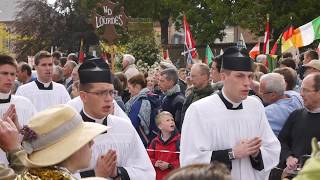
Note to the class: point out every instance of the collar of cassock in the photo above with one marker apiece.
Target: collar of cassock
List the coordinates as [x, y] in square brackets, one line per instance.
[87, 118]
[5, 97]
[44, 86]
[228, 103]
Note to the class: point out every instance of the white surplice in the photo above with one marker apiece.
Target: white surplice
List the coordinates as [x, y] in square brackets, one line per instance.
[124, 139]
[209, 126]
[42, 99]
[24, 109]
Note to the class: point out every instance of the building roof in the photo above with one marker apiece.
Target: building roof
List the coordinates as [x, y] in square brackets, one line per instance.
[8, 10]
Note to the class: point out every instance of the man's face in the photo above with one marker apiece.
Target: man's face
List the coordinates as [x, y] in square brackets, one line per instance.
[311, 97]
[215, 74]
[45, 70]
[7, 77]
[165, 84]
[98, 99]
[21, 75]
[125, 63]
[266, 96]
[198, 79]
[183, 75]
[237, 84]
[75, 75]
[67, 70]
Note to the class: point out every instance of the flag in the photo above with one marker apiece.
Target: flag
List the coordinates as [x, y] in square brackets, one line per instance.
[255, 51]
[286, 39]
[271, 62]
[266, 37]
[306, 34]
[188, 40]
[81, 53]
[189, 58]
[209, 55]
[242, 41]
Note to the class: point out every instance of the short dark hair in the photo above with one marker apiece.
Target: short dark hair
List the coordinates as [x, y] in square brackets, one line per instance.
[218, 61]
[118, 85]
[25, 67]
[290, 76]
[289, 62]
[171, 75]
[312, 54]
[5, 59]
[287, 55]
[138, 79]
[63, 61]
[40, 55]
[57, 54]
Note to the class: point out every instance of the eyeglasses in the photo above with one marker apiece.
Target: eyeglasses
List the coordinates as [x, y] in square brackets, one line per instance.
[104, 93]
[265, 93]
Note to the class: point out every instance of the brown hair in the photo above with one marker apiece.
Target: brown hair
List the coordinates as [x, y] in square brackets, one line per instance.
[289, 62]
[290, 76]
[138, 79]
[213, 171]
[40, 55]
[123, 79]
[5, 59]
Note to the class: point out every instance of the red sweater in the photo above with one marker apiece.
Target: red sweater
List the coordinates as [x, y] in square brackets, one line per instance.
[172, 145]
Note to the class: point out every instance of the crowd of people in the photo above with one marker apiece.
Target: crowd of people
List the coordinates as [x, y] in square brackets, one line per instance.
[231, 119]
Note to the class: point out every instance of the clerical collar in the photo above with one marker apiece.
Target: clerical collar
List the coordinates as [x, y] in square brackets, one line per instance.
[44, 86]
[87, 118]
[228, 103]
[5, 97]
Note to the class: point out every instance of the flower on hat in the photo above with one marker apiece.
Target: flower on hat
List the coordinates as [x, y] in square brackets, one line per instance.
[28, 134]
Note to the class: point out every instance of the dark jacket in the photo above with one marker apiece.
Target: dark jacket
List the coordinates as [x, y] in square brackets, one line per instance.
[195, 95]
[172, 156]
[173, 104]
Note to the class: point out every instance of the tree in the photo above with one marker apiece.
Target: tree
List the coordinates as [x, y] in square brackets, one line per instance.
[38, 24]
[4, 37]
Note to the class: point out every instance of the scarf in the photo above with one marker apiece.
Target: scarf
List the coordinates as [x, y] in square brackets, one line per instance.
[173, 90]
[145, 109]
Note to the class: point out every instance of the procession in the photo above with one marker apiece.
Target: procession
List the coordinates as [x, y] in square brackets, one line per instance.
[158, 90]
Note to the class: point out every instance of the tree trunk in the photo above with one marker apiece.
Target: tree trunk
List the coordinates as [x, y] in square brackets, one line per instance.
[164, 24]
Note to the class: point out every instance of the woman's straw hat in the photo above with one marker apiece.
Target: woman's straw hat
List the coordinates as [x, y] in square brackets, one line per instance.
[55, 134]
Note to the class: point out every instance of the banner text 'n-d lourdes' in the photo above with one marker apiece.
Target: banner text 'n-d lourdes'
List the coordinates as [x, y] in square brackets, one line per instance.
[108, 20]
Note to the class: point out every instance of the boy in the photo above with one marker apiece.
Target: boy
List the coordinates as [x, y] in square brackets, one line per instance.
[164, 149]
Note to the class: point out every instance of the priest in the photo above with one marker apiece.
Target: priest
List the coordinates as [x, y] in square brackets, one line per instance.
[18, 108]
[230, 127]
[97, 93]
[43, 92]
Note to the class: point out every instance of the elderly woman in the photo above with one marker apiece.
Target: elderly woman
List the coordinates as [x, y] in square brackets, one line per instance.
[58, 144]
[138, 107]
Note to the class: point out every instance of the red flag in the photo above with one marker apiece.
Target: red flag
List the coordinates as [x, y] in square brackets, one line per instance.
[81, 53]
[266, 37]
[188, 40]
[255, 51]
